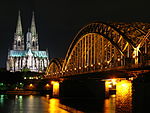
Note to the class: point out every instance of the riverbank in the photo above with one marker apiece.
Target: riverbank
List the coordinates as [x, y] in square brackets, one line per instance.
[25, 92]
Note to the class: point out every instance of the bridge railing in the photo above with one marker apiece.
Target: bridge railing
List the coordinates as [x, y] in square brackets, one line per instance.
[94, 70]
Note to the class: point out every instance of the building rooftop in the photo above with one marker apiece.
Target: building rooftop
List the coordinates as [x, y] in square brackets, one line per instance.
[21, 53]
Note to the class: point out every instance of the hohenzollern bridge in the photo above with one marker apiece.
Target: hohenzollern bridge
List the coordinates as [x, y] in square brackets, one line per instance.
[100, 47]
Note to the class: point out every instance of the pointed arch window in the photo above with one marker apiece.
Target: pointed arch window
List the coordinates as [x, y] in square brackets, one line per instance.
[33, 43]
[19, 43]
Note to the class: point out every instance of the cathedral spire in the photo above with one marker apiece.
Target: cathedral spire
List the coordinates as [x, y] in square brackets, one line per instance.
[33, 27]
[18, 37]
[19, 26]
[34, 35]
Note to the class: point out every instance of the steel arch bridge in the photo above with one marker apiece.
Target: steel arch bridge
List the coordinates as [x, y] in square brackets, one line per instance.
[100, 46]
[55, 66]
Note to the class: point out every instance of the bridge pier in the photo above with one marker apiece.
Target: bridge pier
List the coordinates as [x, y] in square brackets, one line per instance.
[141, 93]
[82, 89]
[55, 88]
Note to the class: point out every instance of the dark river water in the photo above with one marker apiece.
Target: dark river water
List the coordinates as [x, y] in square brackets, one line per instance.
[45, 104]
[125, 100]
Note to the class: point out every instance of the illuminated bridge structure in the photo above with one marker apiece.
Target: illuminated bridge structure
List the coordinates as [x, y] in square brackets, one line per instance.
[102, 46]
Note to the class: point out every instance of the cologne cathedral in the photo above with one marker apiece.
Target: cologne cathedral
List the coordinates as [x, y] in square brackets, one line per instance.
[26, 56]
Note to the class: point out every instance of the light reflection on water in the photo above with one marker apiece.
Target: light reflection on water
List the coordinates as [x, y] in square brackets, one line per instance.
[54, 106]
[124, 97]
[45, 104]
[110, 104]
[119, 103]
[33, 104]
[1, 99]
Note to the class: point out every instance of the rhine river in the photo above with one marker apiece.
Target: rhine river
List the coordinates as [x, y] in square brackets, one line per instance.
[46, 104]
[125, 100]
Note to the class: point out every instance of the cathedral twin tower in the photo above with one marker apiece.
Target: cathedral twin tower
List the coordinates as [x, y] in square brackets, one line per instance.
[26, 56]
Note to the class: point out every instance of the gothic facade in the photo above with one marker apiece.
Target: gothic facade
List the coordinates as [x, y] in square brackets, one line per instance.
[26, 55]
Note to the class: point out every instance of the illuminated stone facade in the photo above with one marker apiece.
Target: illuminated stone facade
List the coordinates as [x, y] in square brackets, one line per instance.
[26, 57]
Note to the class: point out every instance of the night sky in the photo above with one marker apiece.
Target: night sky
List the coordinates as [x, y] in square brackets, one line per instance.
[58, 21]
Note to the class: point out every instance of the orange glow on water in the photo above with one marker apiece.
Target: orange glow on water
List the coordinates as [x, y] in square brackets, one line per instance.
[124, 96]
[53, 103]
[109, 104]
[123, 87]
[55, 107]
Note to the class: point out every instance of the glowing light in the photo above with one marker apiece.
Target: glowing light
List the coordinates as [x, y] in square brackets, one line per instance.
[131, 78]
[107, 86]
[109, 104]
[52, 82]
[16, 88]
[114, 81]
[91, 65]
[47, 85]
[118, 59]
[99, 63]
[20, 97]
[133, 56]
[31, 97]
[30, 85]
[16, 96]
[85, 66]
[1, 99]
[55, 88]
[110, 86]
[111, 83]
[1, 84]
[124, 85]
[53, 103]
[47, 95]
[124, 96]
[79, 67]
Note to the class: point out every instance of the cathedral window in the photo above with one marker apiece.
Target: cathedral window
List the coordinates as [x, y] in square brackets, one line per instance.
[33, 43]
[19, 43]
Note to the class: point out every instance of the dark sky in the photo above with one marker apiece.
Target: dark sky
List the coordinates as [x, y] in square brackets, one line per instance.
[58, 21]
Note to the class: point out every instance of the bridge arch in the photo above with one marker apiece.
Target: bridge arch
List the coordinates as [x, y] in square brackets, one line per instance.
[55, 66]
[101, 46]
[119, 39]
[134, 31]
[109, 32]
